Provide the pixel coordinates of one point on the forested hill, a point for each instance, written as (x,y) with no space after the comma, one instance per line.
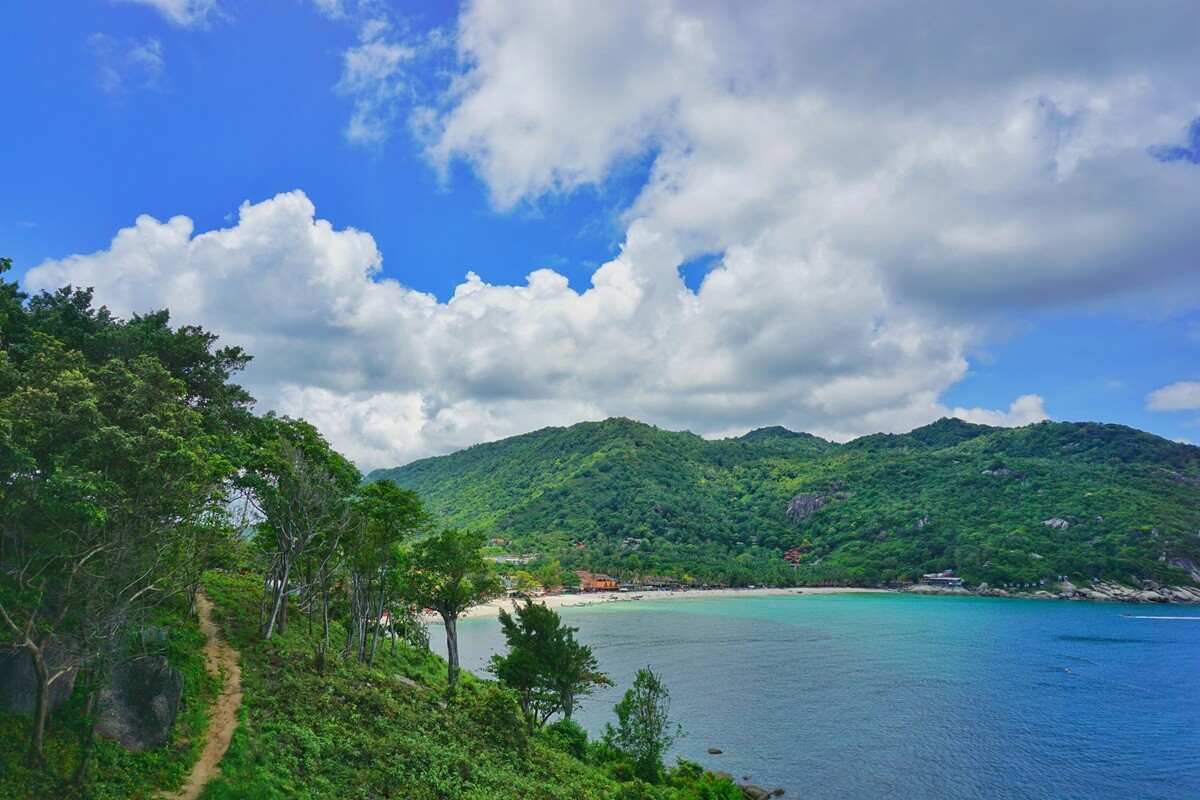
(998,505)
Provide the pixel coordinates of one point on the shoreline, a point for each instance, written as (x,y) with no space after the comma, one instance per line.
(492,607)
(1107,593)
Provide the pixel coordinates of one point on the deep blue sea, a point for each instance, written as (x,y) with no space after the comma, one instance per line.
(891,695)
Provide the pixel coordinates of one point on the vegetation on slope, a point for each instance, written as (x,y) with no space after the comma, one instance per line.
(349,730)
(628,498)
(115,773)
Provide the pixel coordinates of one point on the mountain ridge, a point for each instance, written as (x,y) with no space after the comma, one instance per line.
(630,498)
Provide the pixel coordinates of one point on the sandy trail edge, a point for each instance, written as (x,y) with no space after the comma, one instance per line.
(222,720)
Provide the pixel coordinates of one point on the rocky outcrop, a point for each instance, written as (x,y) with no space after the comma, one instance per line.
(18,681)
(1056,523)
(752,792)
(1188,565)
(922,588)
(1147,594)
(1150,592)
(802,505)
(139,705)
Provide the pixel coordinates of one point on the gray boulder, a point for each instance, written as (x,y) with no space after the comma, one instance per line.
(18,681)
(139,705)
(751,792)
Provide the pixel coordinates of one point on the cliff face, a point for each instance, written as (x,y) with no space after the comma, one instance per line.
(1000,506)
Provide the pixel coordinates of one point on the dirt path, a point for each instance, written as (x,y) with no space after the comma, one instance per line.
(223,716)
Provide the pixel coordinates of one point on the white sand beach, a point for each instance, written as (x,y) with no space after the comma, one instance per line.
(493,607)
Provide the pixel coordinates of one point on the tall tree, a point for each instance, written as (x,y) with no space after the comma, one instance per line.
(644,729)
(547,668)
(446,573)
(301,488)
(384,515)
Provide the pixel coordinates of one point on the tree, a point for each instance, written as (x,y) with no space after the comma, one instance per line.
(549,573)
(544,665)
(384,514)
(301,488)
(644,730)
(525,583)
(107,465)
(447,573)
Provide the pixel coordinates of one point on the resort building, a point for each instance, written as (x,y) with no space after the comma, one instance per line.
(596,583)
(945,578)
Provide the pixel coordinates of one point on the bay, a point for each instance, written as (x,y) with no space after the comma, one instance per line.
(890,695)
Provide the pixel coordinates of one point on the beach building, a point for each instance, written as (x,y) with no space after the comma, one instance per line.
(659,582)
(599,582)
(944,578)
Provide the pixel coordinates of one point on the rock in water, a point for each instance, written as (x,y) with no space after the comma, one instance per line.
(139,705)
(714,751)
(18,681)
(755,793)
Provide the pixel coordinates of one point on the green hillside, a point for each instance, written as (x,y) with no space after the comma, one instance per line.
(630,498)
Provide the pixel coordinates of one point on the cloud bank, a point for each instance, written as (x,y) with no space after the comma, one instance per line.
(874,187)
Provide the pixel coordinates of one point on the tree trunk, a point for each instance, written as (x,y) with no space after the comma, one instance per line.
(378,619)
(41,708)
(283,609)
(451,648)
(325,615)
(88,739)
(280,595)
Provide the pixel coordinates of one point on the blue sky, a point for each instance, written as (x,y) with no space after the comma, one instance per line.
(440,223)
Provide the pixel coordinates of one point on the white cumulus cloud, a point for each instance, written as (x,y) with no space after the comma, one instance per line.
(1179,396)
(1025,410)
(391,373)
(979,157)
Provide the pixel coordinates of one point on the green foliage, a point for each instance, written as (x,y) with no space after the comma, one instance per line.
(567,735)
(355,732)
(644,730)
(632,500)
(546,667)
(116,447)
(446,573)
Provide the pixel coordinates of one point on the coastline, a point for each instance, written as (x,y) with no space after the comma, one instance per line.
(492,608)
(1104,592)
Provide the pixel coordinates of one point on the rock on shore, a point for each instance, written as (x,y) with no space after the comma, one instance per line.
(1150,592)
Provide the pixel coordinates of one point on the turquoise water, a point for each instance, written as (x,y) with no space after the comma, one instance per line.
(885,695)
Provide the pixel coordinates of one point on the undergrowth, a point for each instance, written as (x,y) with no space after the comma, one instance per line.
(116,773)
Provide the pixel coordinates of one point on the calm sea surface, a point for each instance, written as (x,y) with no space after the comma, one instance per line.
(876,696)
